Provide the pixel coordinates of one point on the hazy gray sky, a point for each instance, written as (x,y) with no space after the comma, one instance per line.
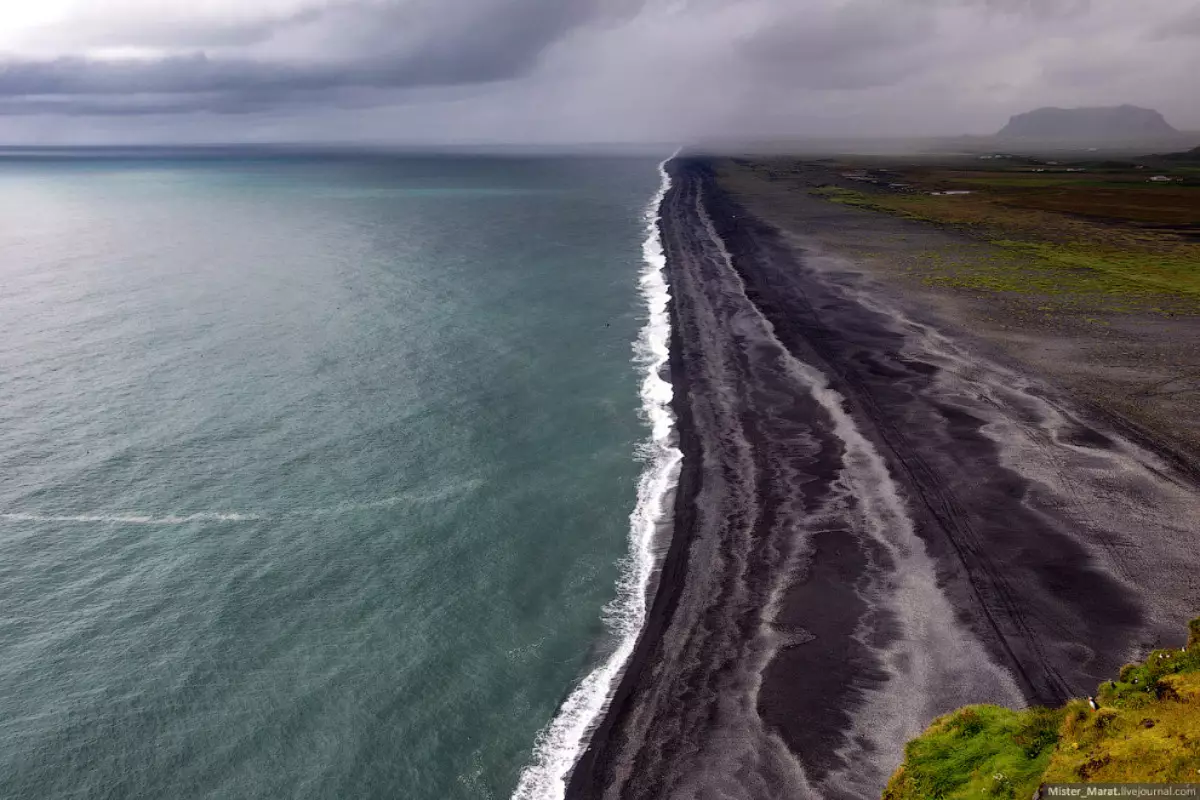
(550,71)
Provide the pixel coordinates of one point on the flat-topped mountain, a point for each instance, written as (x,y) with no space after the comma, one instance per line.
(1090,124)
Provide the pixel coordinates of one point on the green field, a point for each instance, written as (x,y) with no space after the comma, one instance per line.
(1146,730)
(1101,249)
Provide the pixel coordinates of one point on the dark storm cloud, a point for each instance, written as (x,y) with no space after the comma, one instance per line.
(395,45)
(242,101)
(147,30)
(589,70)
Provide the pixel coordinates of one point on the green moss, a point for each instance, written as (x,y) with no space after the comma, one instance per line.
(979,752)
(1086,268)
(1146,730)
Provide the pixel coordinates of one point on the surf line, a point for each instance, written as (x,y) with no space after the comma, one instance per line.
(561,743)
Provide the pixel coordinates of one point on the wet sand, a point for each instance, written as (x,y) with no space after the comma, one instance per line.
(877,521)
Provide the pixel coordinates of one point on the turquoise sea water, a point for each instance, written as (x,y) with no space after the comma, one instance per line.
(315,472)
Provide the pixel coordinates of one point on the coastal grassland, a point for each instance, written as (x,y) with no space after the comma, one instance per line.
(1173,208)
(1056,255)
(1146,730)
(979,751)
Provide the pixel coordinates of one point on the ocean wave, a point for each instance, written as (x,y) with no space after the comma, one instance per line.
(562,742)
(134,518)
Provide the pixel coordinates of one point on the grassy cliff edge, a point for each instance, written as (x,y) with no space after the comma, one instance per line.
(1146,730)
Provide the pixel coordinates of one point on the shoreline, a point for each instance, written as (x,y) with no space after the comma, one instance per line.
(565,739)
(793,640)
(673,572)
(596,756)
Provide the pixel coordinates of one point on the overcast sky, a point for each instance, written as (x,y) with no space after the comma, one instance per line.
(577,71)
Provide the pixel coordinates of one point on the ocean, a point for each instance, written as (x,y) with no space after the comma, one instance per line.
(318,470)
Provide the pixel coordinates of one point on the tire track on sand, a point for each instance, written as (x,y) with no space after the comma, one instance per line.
(798,627)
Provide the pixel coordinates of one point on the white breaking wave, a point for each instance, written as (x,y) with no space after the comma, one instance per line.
(562,742)
(131,518)
(136,519)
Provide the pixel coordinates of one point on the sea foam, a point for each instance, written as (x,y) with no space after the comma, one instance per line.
(563,741)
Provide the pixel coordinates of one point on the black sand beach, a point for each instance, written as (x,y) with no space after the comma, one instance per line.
(878,520)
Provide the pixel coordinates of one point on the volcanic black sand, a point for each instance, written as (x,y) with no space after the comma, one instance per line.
(875,524)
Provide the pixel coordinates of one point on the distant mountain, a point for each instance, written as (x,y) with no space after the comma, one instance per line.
(1190,155)
(1117,123)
